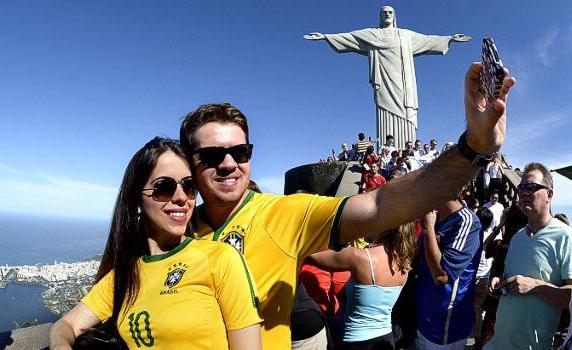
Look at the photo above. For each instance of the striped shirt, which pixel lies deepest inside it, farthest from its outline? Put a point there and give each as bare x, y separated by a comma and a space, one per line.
445, 312
362, 146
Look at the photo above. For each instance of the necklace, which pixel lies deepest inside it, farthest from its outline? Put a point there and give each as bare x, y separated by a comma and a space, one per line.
531, 233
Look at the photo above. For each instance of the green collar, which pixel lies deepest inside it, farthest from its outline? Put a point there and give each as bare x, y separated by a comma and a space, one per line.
159, 257
221, 228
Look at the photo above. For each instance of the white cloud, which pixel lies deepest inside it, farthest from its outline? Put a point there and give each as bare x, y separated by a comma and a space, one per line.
532, 61
41, 194
67, 184
562, 189
273, 184
10, 170
545, 46
528, 130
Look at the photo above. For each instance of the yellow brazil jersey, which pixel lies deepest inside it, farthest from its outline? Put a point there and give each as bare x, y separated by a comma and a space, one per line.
186, 298
275, 233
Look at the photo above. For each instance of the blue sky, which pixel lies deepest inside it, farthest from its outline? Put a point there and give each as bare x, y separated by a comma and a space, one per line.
83, 84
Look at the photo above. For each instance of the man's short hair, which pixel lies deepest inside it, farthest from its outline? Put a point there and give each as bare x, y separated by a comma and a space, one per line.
389, 137
207, 113
485, 217
361, 136
546, 177
394, 172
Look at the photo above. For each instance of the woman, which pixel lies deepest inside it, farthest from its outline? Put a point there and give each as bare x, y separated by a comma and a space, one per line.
161, 288
378, 274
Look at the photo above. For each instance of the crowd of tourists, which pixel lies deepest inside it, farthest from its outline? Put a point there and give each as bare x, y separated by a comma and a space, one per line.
491, 225
388, 161
406, 253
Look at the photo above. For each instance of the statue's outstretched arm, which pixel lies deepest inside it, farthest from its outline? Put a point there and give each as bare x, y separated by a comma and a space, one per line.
314, 36
461, 38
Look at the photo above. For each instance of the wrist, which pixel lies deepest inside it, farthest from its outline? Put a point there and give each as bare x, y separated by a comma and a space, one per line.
536, 283
467, 150
429, 232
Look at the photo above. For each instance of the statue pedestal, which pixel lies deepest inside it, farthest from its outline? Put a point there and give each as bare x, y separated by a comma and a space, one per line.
328, 179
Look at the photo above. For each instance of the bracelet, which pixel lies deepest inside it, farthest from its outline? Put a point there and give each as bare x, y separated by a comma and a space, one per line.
471, 155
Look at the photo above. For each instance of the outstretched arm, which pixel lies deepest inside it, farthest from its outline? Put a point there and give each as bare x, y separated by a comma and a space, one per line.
335, 261
411, 196
314, 36
246, 338
65, 331
460, 38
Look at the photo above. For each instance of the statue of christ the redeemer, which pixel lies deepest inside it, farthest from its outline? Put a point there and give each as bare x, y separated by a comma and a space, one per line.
391, 71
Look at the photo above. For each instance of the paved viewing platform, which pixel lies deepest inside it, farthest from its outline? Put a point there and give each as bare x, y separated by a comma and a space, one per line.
30, 338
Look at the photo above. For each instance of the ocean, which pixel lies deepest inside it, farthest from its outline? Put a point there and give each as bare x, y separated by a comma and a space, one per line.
27, 240
21, 304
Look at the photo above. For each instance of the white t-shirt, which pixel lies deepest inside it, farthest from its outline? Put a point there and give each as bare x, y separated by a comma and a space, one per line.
494, 171
485, 264
497, 210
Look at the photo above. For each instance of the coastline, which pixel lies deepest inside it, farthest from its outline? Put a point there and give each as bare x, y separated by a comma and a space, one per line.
65, 283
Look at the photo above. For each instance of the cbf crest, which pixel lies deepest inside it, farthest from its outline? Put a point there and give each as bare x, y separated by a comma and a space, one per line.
174, 276
236, 238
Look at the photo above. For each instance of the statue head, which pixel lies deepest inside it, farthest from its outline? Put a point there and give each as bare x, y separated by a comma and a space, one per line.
387, 17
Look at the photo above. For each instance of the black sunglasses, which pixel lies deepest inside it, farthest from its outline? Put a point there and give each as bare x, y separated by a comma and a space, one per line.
213, 156
165, 187
530, 187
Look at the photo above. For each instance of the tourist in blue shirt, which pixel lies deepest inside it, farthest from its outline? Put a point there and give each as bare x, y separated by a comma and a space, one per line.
450, 253
537, 277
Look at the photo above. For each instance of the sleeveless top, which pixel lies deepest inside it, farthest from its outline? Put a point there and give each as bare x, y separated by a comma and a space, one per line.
368, 309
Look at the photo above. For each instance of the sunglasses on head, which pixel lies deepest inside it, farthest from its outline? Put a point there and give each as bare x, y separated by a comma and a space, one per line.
213, 156
530, 187
165, 187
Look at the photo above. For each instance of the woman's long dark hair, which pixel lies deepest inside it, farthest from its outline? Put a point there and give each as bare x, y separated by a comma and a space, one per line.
127, 240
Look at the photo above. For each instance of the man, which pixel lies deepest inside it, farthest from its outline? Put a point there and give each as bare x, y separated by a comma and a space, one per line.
392, 162
482, 278
433, 148
446, 277
538, 270
400, 164
346, 154
495, 207
277, 232
390, 143
410, 161
390, 51
417, 151
373, 179
409, 148
426, 157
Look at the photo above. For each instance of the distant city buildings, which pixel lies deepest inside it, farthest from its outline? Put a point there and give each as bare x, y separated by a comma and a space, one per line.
67, 283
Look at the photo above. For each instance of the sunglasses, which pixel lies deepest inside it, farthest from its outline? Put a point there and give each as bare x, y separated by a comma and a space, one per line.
165, 187
213, 156
530, 187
